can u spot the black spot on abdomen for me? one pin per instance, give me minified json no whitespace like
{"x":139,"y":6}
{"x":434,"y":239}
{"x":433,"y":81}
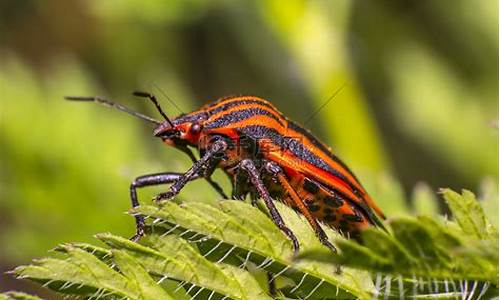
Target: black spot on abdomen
{"x":310,"y":186}
{"x":352,"y":218}
{"x":333,"y":201}
{"x":312,"y":206}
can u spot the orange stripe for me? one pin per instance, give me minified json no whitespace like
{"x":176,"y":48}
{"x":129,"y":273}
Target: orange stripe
{"x":214,"y":118}
{"x":318,"y":152}
{"x":256,"y":120}
{"x":288,"y":160}
{"x":315,"y":150}
{"x":298,"y":202}
{"x":237,"y":98}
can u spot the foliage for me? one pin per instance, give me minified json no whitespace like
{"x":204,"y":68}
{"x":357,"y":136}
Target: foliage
{"x":17,"y":296}
{"x":199,"y":251}
{"x":417,"y":100}
{"x":426,"y":247}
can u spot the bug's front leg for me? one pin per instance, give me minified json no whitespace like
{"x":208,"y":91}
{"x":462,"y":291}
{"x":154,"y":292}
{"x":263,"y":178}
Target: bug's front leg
{"x":249,"y":166}
{"x":150,"y":180}
{"x":213,"y":152}
{"x":214,"y":184}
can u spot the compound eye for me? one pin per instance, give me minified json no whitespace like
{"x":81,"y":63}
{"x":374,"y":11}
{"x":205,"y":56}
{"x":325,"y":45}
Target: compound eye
{"x":195,"y":128}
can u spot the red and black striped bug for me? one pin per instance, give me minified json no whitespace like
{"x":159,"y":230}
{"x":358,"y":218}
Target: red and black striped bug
{"x":265,"y":155}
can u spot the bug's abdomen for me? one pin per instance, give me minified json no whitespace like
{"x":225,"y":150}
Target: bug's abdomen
{"x":328,"y":207}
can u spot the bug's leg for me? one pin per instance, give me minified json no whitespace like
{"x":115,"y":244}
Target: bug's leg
{"x":271,"y":284}
{"x":211,"y":166}
{"x":254,"y":176}
{"x":239,"y":184}
{"x":216,"y":148}
{"x":214,"y":184}
{"x":278,"y":173}
{"x":254,"y":199}
{"x":149,"y":180}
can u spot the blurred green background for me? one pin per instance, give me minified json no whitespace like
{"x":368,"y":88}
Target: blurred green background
{"x":417,"y":109}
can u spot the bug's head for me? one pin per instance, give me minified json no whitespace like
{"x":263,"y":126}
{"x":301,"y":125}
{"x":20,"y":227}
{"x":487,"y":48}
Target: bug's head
{"x":185,"y":129}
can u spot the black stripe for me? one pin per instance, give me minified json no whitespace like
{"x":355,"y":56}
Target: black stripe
{"x":191,"y":117}
{"x":243,"y":101}
{"x":240,"y":115}
{"x":293,"y":144}
{"x":294,"y":126}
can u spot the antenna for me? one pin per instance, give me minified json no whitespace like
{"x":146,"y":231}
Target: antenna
{"x":335,"y":93}
{"x":108,"y":103}
{"x":153,"y":99}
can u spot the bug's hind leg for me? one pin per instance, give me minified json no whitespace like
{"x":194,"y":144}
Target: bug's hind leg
{"x":249,"y":166}
{"x":278,"y":173}
{"x":149,"y":180}
{"x":272,"y":284}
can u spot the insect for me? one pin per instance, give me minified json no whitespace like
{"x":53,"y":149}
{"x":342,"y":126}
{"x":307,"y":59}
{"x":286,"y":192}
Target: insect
{"x":266,"y":156}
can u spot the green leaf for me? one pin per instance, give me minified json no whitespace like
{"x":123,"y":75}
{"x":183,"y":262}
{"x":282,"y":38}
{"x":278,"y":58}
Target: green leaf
{"x":198,"y":251}
{"x":138,"y":277}
{"x":415,"y":251}
{"x":84,"y":274}
{"x":18,"y":296}
{"x":426,"y":247}
{"x":469,"y":214}
{"x":237,"y":228}
{"x":173,"y":257}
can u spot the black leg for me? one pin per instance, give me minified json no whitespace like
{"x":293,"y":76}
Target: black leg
{"x":239,"y":184}
{"x":249,"y":166}
{"x":214,"y":184}
{"x":277,"y":173}
{"x":216,"y":148}
{"x":271,"y":284}
{"x":149,"y":180}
